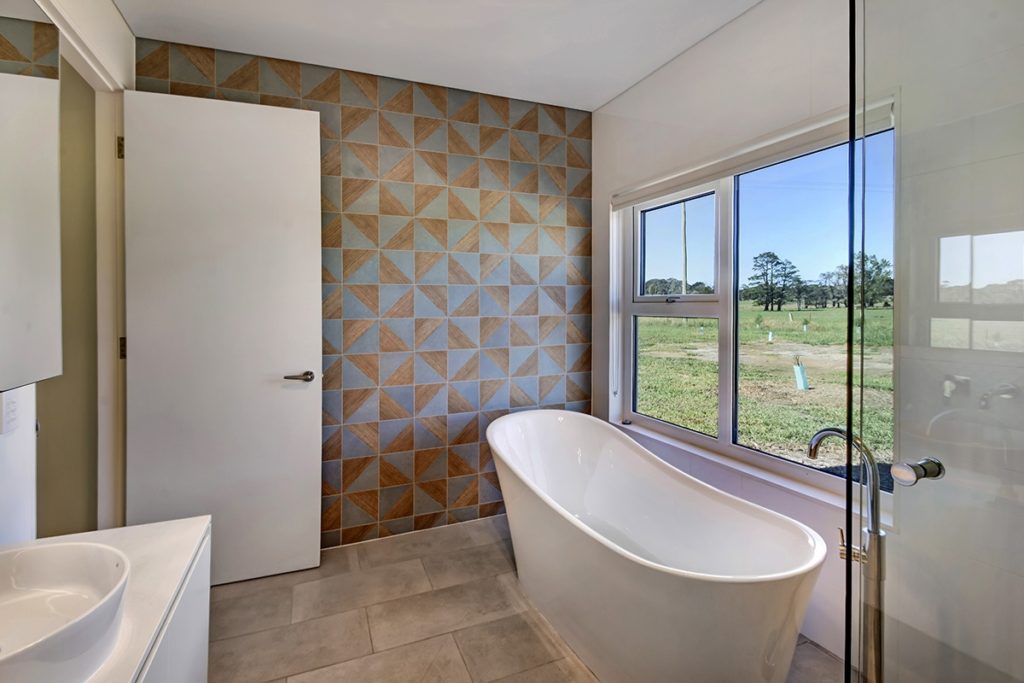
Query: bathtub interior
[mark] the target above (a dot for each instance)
(625, 494)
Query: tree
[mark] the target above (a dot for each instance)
(818, 295)
(664, 285)
(827, 282)
(786, 276)
(801, 291)
(765, 268)
(878, 279)
(839, 292)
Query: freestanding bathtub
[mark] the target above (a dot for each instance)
(650, 575)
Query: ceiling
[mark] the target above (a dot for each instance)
(23, 9)
(576, 53)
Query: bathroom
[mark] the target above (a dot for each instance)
(670, 340)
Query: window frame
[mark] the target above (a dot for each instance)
(639, 235)
(627, 306)
(717, 306)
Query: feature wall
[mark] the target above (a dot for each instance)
(456, 276)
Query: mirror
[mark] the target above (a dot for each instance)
(30, 313)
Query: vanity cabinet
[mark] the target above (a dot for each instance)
(180, 652)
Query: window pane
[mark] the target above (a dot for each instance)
(677, 371)
(792, 304)
(677, 245)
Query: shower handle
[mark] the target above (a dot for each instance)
(909, 473)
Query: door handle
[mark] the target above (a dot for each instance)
(909, 473)
(307, 376)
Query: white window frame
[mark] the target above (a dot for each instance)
(717, 306)
(627, 305)
(712, 188)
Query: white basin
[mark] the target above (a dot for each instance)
(60, 610)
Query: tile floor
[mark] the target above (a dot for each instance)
(436, 606)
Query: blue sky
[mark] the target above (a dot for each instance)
(796, 208)
(665, 240)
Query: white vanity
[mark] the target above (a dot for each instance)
(121, 605)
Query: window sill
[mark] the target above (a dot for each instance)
(800, 486)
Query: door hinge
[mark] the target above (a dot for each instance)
(122, 347)
(120, 147)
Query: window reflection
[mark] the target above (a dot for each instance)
(982, 269)
(997, 335)
(955, 269)
(998, 270)
(951, 333)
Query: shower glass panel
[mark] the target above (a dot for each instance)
(952, 73)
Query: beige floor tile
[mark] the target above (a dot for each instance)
(489, 529)
(561, 671)
(417, 544)
(250, 613)
(436, 660)
(332, 561)
(291, 649)
(507, 646)
(343, 592)
(440, 604)
(811, 664)
(469, 564)
(441, 611)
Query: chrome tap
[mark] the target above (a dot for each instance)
(871, 554)
(1005, 391)
(871, 478)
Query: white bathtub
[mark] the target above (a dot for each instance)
(649, 574)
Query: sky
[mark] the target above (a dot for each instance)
(796, 208)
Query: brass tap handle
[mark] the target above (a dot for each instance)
(858, 554)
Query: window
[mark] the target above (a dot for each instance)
(675, 309)
(677, 371)
(677, 247)
(737, 306)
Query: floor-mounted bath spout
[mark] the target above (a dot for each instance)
(871, 554)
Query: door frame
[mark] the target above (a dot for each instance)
(97, 42)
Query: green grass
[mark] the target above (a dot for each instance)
(827, 326)
(677, 377)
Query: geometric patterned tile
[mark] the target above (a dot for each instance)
(431, 464)
(463, 460)
(494, 110)
(494, 363)
(523, 392)
(456, 270)
(552, 359)
(495, 238)
(396, 436)
(463, 364)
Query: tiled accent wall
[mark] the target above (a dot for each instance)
(29, 48)
(456, 276)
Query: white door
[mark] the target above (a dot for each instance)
(222, 282)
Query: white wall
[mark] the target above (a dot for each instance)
(18, 471)
(781, 63)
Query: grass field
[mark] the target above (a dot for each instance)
(677, 378)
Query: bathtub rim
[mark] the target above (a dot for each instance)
(819, 548)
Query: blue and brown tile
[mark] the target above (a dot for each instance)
(456, 270)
